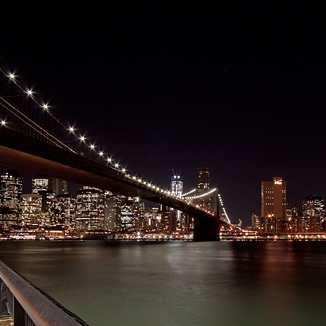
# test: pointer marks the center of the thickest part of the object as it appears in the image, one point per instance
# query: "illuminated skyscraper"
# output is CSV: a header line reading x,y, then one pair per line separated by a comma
x,y
273,204
40,183
176,185
90,209
273,198
210,200
112,211
176,190
62,210
45,183
313,212
203,178
58,186
31,210
11,191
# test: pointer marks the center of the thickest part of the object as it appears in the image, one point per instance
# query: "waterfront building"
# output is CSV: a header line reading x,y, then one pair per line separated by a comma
x,y
11,191
313,213
89,209
47,202
62,211
127,217
273,205
41,185
31,207
112,212
255,222
138,212
295,220
152,219
168,221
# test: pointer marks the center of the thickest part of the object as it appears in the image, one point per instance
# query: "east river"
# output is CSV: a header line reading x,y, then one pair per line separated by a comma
x,y
176,283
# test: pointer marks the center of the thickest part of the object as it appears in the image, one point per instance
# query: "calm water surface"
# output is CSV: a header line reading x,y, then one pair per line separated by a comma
x,y
178,283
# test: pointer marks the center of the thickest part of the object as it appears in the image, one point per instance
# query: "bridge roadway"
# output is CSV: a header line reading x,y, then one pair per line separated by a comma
x,y
30,154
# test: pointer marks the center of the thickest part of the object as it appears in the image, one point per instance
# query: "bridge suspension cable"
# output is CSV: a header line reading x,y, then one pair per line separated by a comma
x,y
34,126
208,193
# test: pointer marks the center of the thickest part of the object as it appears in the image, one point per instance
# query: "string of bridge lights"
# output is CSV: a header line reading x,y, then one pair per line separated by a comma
x,y
73,131
82,139
202,195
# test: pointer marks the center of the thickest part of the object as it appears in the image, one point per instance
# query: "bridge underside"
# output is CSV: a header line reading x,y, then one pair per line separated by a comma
x,y
32,163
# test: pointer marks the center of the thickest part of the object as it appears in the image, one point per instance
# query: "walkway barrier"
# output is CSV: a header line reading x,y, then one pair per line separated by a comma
x,y
29,306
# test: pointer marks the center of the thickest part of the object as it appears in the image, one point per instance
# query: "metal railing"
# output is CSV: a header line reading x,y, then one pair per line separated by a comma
x,y
29,306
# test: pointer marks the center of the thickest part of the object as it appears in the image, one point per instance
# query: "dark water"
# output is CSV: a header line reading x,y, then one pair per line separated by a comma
x,y
179,283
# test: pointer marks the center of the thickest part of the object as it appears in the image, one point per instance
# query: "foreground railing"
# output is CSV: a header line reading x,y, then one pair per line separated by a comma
x,y
29,306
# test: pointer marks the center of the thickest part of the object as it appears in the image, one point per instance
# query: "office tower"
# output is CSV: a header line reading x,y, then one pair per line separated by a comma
x,y
132,212
273,204
40,183
152,216
313,213
112,211
176,190
203,178
176,185
58,186
255,222
89,209
11,191
41,186
138,209
206,198
62,211
31,210
45,183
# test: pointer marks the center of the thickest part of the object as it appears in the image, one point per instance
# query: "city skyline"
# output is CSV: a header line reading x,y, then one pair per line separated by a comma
x,y
73,189
233,89
91,210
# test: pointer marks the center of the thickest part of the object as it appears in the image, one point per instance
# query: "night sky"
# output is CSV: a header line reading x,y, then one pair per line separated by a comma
x,y
175,86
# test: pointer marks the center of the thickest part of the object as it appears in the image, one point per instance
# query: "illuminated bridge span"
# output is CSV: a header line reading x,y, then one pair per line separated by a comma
x,y
33,139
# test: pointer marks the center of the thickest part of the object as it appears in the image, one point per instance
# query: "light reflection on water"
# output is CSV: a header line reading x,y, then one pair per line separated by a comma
x,y
178,283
